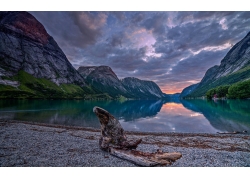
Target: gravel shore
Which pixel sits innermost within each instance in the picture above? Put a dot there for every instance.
(29, 144)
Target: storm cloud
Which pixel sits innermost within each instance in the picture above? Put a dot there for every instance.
(174, 49)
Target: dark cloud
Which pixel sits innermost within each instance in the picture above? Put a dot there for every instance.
(78, 29)
(172, 48)
(137, 17)
(195, 36)
(89, 24)
(117, 39)
(127, 59)
(119, 15)
(156, 23)
(194, 67)
(191, 70)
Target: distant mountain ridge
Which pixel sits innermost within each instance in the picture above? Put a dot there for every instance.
(234, 67)
(188, 90)
(172, 96)
(104, 80)
(142, 88)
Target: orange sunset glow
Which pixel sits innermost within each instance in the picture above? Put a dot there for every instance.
(176, 87)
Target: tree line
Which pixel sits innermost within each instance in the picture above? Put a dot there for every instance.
(240, 90)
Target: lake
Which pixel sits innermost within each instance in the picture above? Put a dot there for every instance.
(192, 116)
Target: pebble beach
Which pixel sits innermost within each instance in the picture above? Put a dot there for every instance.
(25, 144)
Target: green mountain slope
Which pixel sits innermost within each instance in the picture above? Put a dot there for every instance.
(238, 76)
(31, 87)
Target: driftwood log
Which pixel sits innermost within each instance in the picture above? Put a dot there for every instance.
(114, 140)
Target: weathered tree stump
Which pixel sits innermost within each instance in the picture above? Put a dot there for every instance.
(112, 132)
(114, 140)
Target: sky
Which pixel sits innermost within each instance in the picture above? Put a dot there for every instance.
(172, 48)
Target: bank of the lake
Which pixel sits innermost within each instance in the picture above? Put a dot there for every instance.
(35, 144)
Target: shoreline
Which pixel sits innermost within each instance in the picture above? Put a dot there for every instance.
(37, 144)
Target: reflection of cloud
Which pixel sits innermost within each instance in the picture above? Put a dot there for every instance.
(172, 118)
(173, 108)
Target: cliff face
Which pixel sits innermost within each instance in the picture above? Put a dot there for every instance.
(234, 67)
(25, 45)
(141, 88)
(237, 58)
(103, 79)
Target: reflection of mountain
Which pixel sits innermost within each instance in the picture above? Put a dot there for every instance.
(75, 112)
(131, 110)
(230, 115)
(177, 101)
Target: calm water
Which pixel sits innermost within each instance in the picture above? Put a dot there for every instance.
(199, 116)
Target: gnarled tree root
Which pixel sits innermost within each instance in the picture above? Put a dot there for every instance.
(146, 159)
(114, 140)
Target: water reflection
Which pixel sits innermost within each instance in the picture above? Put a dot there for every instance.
(75, 112)
(224, 115)
(173, 117)
(139, 115)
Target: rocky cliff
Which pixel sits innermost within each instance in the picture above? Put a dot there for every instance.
(234, 67)
(142, 89)
(237, 58)
(25, 45)
(103, 79)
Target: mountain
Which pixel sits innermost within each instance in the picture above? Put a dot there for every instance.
(166, 96)
(25, 45)
(234, 67)
(172, 96)
(31, 62)
(186, 91)
(141, 88)
(32, 65)
(103, 79)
